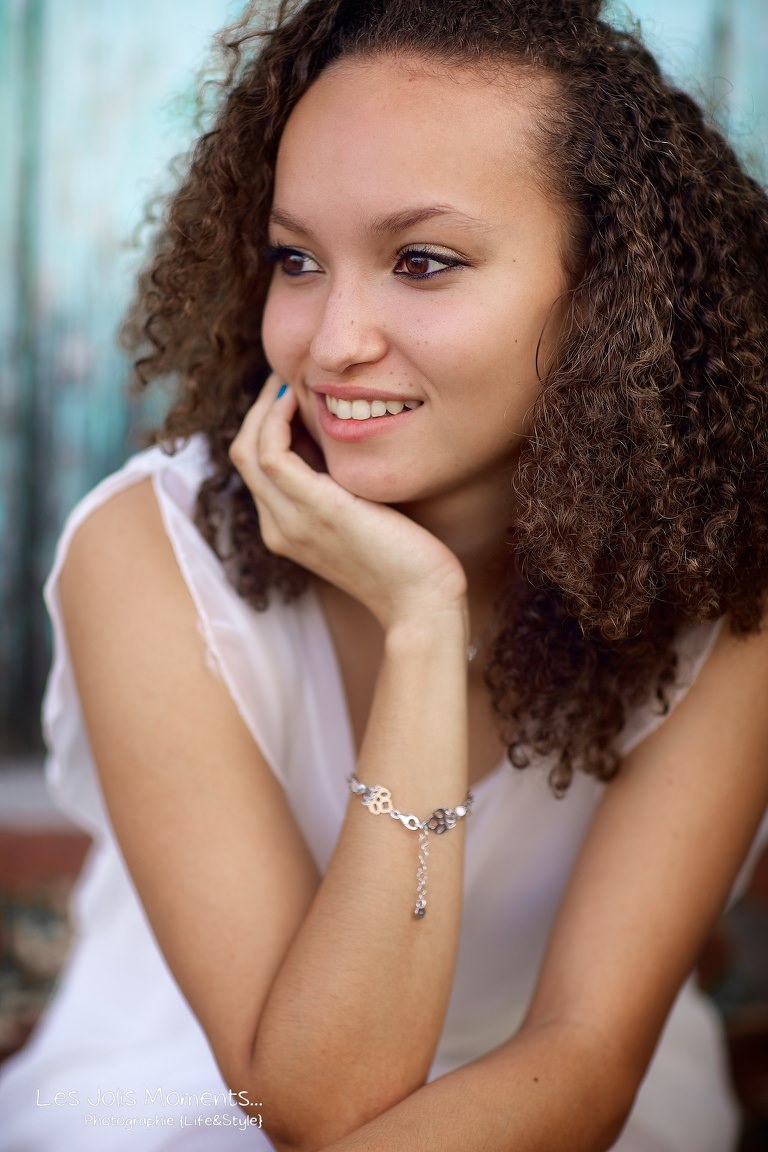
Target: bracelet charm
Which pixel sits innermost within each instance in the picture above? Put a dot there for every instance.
(378, 800)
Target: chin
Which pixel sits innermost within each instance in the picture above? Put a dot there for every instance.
(370, 485)
(396, 490)
(369, 490)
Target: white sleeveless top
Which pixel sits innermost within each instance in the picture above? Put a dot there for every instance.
(120, 1041)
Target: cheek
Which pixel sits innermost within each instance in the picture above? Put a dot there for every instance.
(466, 342)
(282, 331)
(443, 337)
(496, 336)
(271, 331)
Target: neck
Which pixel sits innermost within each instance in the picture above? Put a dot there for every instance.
(474, 524)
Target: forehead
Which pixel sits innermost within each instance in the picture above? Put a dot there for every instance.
(374, 132)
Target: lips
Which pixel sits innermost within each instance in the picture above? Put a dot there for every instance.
(354, 418)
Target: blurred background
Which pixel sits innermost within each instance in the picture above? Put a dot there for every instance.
(96, 98)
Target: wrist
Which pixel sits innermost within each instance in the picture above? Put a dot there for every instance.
(441, 631)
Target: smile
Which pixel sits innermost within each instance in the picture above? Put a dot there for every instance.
(367, 409)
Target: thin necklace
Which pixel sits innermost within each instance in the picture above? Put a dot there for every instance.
(480, 640)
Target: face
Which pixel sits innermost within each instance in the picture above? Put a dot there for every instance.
(418, 261)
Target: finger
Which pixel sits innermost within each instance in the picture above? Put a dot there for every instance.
(244, 449)
(274, 431)
(276, 441)
(274, 436)
(246, 439)
(262, 457)
(289, 494)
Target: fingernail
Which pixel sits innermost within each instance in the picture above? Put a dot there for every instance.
(283, 390)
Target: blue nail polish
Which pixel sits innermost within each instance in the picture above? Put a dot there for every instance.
(283, 390)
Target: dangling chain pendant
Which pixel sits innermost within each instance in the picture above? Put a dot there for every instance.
(420, 908)
(378, 801)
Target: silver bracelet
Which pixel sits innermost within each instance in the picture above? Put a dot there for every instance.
(378, 801)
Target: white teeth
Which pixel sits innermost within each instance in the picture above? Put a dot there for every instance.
(365, 409)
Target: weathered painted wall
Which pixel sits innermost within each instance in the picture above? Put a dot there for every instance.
(95, 97)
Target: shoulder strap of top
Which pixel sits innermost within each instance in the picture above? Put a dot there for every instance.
(694, 644)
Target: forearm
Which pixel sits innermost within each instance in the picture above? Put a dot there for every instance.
(353, 1018)
(549, 1088)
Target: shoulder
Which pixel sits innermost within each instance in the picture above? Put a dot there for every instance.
(694, 790)
(725, 696)
(124, 534)
(120, 587)
(140, 658)
(144, 602)
(122, 578)
(121, 544)
(693, 646)
(131, 516)
(715, 743)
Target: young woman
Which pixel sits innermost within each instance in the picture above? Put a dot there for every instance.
(423, 674)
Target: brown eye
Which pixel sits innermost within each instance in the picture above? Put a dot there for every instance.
(415, 264)
(292, 262)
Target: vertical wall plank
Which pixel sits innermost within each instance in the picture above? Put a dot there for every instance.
(20, 102)
(747, 70)
(11, 441)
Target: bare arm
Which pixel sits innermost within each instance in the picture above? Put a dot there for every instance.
(352, 1020)
(201, 820)
(654, 872)
(278, 965)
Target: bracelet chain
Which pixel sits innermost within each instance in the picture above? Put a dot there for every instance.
(378, 800)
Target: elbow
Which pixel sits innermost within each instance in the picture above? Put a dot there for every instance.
(295, 1115)
(612, 1080)
(596, 1078)
(291, 1132)
(611, 1084)
(301, 1127)
(613, 1106)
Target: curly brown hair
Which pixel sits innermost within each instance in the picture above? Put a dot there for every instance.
(640, 493)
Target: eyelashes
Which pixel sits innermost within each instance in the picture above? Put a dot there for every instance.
(419, 263)
(427, 256)
(289, 260)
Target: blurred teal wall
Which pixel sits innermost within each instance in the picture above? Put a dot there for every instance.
(95, 97)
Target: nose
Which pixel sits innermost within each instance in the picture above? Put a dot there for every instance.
(349, 330)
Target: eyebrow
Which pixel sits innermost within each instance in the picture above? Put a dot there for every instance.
(392, 223)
